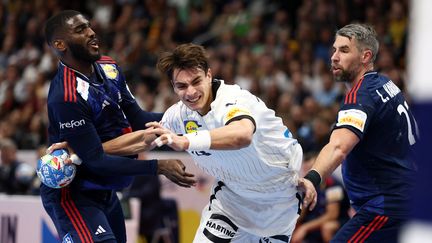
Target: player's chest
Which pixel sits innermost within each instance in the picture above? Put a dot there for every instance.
(104, 98)
(194, 122)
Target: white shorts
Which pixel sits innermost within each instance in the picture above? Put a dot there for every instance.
(218, 227)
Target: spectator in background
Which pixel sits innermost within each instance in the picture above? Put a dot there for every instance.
(16, 177)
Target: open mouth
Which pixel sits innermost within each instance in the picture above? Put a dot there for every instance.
(194, 100)
(94, 43)
(333, 68)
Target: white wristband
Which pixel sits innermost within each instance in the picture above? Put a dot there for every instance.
(199, 141)
(75, 159)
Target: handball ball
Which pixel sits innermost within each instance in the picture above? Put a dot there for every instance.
(52, 170)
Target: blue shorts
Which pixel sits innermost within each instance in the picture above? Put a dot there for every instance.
(369, 227)
(85, 215)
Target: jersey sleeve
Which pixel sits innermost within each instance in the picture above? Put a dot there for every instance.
(236, 107)
(70, 118)
(356, 115)
(76, 127)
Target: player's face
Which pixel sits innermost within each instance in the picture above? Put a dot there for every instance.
(193, 87)
(346, 60)
(81, 40)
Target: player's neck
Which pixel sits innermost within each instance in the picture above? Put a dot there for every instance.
(82, 67)
(361, 73)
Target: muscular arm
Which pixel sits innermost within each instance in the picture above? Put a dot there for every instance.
(129, 144)
(235, 135)
(91, 152)
(342, 141)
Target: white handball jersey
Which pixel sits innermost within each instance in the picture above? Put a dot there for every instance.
(260, 178)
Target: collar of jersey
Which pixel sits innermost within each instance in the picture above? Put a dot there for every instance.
(369, 72)
(82, 76)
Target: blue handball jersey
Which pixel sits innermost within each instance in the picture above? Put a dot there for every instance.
(379, 171)
(77, 104)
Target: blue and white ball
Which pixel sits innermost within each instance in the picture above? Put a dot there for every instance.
(52, 170)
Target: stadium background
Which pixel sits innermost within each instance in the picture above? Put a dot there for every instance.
(279, 50)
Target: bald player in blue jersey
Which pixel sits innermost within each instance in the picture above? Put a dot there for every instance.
(373, 139)
(91, 108)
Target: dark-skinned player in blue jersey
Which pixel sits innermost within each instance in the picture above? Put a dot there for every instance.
(91, 108)
(373, 139)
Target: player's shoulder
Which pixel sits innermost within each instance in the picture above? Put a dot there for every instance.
(374, 80)
(232, 93)
(67, 86)
(365, 89)
(176, 109)
(109, 67)
(63, 87)
(106, 60)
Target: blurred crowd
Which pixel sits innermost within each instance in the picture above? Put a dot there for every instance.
(279, 50)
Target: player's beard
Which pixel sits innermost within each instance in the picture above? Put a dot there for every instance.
(79, 52)
(347, 75)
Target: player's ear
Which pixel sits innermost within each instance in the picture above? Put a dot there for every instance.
(209, 73)
(367, 56)
(59, 45)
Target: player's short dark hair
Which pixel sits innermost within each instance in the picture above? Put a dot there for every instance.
(365, 36)
(57, 22)
(185, 56)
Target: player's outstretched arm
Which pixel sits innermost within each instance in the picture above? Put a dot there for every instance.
(130, 143)
(127, 144)
(342, 141)
(236, 135)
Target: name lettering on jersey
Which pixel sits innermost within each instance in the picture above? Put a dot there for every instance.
(110, 71)
(220, 228)
(391, 90)
(72, 124)
(235, 111)
(353, 117)
(83, 88)
(191, 126)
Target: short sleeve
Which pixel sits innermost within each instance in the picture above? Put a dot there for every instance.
(238, 106)
(356, 116)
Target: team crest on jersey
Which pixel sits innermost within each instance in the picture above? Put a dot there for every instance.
(236, 111)
(353, 117)
(191, 126)
(110, 71)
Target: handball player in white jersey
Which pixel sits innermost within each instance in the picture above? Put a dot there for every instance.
(234, 137)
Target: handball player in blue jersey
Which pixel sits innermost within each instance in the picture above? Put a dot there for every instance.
(373, 139)
(91, 108)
